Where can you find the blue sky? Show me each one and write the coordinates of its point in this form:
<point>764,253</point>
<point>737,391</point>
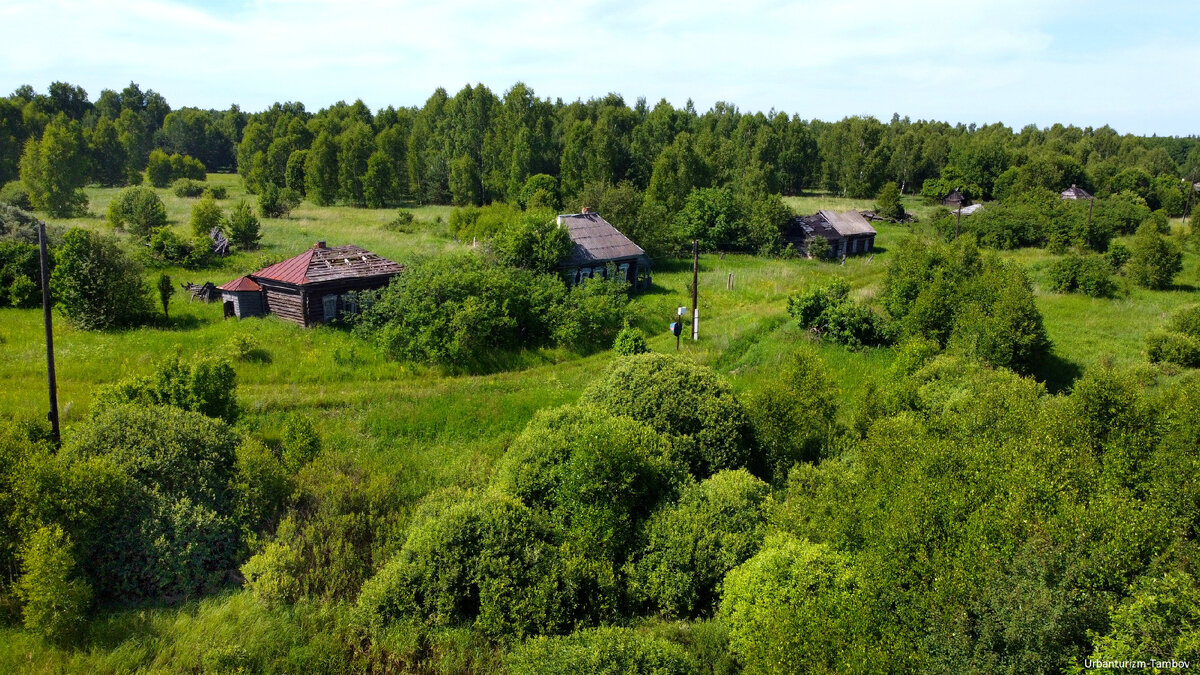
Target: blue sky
<point>1134,65</point>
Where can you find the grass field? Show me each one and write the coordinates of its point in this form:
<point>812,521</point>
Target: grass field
<point>426,428</point>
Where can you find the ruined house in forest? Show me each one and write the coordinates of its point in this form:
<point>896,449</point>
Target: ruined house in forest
<point>314,287</point>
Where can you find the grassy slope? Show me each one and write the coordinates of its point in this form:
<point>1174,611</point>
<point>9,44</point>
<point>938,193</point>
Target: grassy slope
<point>428,429</point>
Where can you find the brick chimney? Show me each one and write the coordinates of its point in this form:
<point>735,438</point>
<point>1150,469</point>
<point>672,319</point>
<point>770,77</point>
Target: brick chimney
<point>585,210</point>
<point>319,244</point>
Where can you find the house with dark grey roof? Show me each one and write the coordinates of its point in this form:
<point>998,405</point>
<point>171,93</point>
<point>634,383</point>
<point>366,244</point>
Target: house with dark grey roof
<point>955,200</point>
<point>1076,192</point>
<point>597,244</point>
<point>316,286</point>
<point>848,233</point>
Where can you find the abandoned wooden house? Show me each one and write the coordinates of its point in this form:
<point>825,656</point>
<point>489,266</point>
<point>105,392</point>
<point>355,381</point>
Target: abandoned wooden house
<point>316,286</point>
<point>1076,192</point>
<point>956,200</point>
<point>848,233</point>
<point>597,244</point>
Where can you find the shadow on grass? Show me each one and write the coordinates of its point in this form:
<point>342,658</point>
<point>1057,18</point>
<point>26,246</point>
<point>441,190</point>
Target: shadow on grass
<point>1057,373</point>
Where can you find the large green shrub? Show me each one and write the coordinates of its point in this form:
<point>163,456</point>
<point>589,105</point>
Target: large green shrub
<point>205,385</point>
<point>20,274</point>
<point>54,598</point>
<point>1154,260</point>
<point>206,216</point>
<point>137,209</point>
<point>1090,275</point>
<point>716,525</point>
<point>630,341</point>
<point>887,202</point>
<point>533,242</point>
<point>600,651</point>
<point>590,313</point>
<point>688,402</point>
<point>488,561</point>
<point>1179,341</point>
<point>244,227</point>
<point>597,476</point>
<point>829,312</point>
<point>794,412</point>
<point>796,607</point>
<point>96,285</point>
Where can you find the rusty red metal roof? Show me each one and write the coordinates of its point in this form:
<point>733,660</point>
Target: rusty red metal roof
<point>328,264</point>
<point>240,284</point>
<point>291,271</point>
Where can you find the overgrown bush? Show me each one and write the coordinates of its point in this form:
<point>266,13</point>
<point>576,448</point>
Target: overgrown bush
<point>590,314</point>
<point>1154,260</point>
<point>1179,342</point>
<point>187,187</point>
<point>163,169</point>
<point>206,217</point>
<point>887,202</point>
<point>691,545</point>
<point>168,247</point>
<point>630,341</point>
<point>597,476</point>
<point>137,209</point>
<point>54,598</point>
<point>96,285</point>
<point>277,202</point>
<point>403,222</point>
<point>205,385</point>
<point>1089,274</point>
<point>14,194</point>
<point>690,403</point>
<point>794,412</point>
<point>20,274</point>
<point>829,312</point>
<point>600,650</point>
<point>533,242</point>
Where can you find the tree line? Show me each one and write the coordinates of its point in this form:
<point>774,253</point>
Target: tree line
<point>476,147</point>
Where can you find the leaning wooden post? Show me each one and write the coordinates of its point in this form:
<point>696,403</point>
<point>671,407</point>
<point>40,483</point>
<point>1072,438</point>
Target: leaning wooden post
<point>50,380</point>
<point>1090,202</point>
<point>695,289</point>
<point>958,223</point>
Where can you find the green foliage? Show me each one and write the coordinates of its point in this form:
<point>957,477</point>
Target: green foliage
<point>828,312</point>
<point>96,285</point>
<point>205,385</point>
<point>687,402</point>
<point>533,242</point>
<point>887,202</point>
<point>540,191</point>
<point>14,194</point>
<point>187,187</point>
<point>1179,342</point>
<point>163,169</point>
<point>216,191</point>
<point>630,341</point>
<point>168,247</point>
<point>139,209</point>
<point>54,169</point>
<point>403,222</point>
<point>716,525</point>
<point>1090,275</point>
<point>982,306</point>
<point>55,600</point>
<point>276,202</point>
<point>206,217</point>
<point>818,248</point>
<point>244,227</point>
<point>590,313</point>
<point>1159,621</point>
<point>20,274</point>
<point>488,561</point>
<point>1153,259</point>
<point>798,607</point>
<point>794,412</point>
<point>1118,254</point>
<point>482,222</point>
<point>166,288</point>
<point>597,476</point>
<point>600,651</point>
<point>300,443</point>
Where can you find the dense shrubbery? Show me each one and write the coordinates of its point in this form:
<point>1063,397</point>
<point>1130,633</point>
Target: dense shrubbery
<point>600,650</point>
<point>96,285</point>
<point>1089,274</point>
<point>204,385</point>
<point>794,413</point>
<point>979,306</point>
<point>460,310</point>
<point>689,403</point>
<point>829,312</point>
<point>14,194</point>
<point>630,341</point>
<point>188,187</point>
<point>20,274</point>
<point>1154,260</point>
<point>532,241</point>
<point>1179,341</point>
<point>163,169</point>
<point>244,227</point>
<point>691,545</point>
<point>167,247</point>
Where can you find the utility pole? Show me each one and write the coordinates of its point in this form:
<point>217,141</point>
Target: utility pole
<point>958,223</point>
<point>695,289</point>
<point>50,381</point>
<point>1090,203</point>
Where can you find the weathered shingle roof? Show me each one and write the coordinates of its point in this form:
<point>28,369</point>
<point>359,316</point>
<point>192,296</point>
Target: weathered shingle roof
<point>1076,192</point>
<point>848,223</point>
<point>329,264</point>
<point>240,284</point>
<point>596,240</point>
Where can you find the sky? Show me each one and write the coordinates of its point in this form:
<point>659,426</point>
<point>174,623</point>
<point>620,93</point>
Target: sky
<point>1132,65</point>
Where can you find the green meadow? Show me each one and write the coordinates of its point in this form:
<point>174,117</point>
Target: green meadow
<point>424,428</point>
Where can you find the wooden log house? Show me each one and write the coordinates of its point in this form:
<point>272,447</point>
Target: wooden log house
<point>314,287</point>
<point>848,233</point>
<point>596,245</point>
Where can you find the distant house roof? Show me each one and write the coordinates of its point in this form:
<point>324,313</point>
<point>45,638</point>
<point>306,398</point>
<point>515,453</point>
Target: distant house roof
<point>968,210</point>
<point>320,263</point>
<point>848,223</point>
<point>814,225</point>
<point>955,198</point>
<point>596,240</point>
<point>1076,192</point>
<point>240,284</point>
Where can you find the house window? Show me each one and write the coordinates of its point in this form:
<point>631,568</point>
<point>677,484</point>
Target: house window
<point>584,273</point>
<point>623,271</point>
<point>350,302</point>
<point>329,307</point>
